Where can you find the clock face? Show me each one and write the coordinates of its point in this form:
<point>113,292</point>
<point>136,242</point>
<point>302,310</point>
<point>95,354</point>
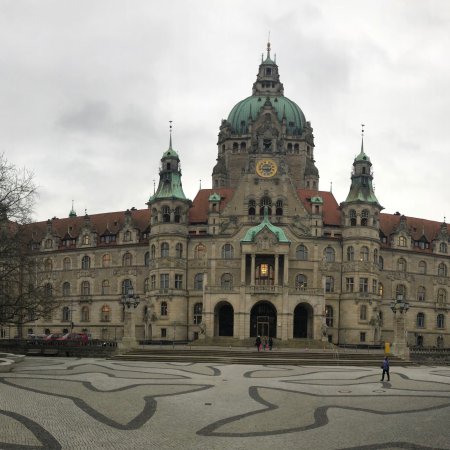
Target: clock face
<point>266,168</point>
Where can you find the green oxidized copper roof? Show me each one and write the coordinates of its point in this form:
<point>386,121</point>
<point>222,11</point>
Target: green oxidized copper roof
<point>362,157</point>
<point>277,231</point>
<point>251,106</point>
<point>169,188</point>
<point>317,200</point>
<point>214,197</point>
<point>171,153</point>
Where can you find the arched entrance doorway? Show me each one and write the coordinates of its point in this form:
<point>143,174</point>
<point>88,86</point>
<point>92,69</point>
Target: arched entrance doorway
<point>223,319</point>
<point>303,321</point>
<point>263,320</point>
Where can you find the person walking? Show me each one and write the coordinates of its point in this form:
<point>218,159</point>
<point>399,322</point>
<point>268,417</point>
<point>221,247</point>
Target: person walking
<point>385,367</point>
<point>258,343</point>
<point>270,343</point>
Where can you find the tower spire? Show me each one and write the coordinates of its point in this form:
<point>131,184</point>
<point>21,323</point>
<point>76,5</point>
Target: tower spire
<point>170,134</point>
<point>362,138</point>
<point>268,46</point>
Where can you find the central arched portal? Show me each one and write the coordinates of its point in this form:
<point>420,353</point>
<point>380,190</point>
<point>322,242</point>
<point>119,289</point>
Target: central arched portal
<point>303,321</point>
<point>223,319</point>
<point>263,320</point>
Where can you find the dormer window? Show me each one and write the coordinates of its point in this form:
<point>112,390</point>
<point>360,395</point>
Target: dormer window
<point>168,166</point>
<point>268,71</point>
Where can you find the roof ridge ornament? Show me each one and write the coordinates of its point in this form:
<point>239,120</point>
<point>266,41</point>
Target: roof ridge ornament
<point>362,137</point>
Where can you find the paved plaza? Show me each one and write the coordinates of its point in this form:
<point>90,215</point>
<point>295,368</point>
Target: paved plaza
<point>53,403</point>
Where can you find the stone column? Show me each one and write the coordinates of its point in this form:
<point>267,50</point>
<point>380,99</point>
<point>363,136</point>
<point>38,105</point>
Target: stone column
<point>252,281</point>
<point>129,332</point>
<point>277,270</point>
<point>243,268</point>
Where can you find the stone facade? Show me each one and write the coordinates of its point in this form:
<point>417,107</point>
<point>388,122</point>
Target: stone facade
<point>262,252</point>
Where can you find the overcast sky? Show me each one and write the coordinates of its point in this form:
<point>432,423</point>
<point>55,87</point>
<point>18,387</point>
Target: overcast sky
<point>87,89</point>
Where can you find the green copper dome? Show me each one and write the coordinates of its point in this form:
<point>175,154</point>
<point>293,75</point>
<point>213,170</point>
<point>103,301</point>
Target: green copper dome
<point>251,106</point>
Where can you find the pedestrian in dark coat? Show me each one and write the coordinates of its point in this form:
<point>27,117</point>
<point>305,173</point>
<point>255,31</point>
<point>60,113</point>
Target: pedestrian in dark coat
<point>258,343</point>
<point>270,343</point>
<point>385,367</point>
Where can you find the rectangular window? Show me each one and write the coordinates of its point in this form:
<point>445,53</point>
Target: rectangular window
<point>363,285</point>
<point>178,281</point>
<point>163,332</point>
<point>362,337</point>
<point>349,283</point>
<point>164,281</point>
<point>153,282</point>
<point>374,286</point>
<point>363,312</point>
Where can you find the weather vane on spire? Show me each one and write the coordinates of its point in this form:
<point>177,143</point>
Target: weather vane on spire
<point>362,137</point>
<point>170,133</point>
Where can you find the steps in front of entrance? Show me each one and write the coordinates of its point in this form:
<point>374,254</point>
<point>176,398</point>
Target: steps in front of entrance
<point>251,357</point>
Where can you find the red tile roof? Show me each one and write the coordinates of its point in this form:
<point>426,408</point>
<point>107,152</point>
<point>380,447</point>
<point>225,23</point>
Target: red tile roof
<point>200,206</point>
<point>331,212</point>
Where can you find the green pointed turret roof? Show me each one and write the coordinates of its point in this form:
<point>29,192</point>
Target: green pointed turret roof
<point>214,197</point>
<point>72,212</point>
<point>277,231</point>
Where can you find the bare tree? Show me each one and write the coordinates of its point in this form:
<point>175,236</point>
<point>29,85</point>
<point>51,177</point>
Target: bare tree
<point>25,294</point>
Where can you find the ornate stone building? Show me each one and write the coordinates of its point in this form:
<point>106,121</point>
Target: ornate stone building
<point>264,251</point>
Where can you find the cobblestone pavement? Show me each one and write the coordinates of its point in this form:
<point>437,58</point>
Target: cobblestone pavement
<point>53,403</point>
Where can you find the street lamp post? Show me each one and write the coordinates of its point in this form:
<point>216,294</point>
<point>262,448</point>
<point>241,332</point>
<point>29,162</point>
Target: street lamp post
<point>129,302</point>
<point>399,347</point>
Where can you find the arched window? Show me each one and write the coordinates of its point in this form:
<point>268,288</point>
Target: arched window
<point>302,253</point>
<point>198,281</point>
<point>48,290</point>
<point>105,313</point>
<point>441,296</point>
<point>381,263</point>
<point>85,314</point>
<point>48,265</point>
<point>65,314</point>
<point>66,288</point>
<point>163,308</point>
<point>443,247</point>
<point>364,254</point>
<point>127,260</point>
<point>329,315</point>
<point>179,250</point>
<point>279,208</point>
<point>153,251</point>
<point>401,241</point>
<point>106,260</point>
<point>198,311</point>
<point>442,270</point>
<point>243,146</point>
<point>226,281</point>
<point>126,286</point>
<point>154,215</point>
<point>421,294</point>
<point>146,285</point>
<point>364,217</point>
<point>420,320</point>
<point>265,201</point>
<point>86,239</point>
<point>147,259</point>
<point>352,218</point>
<point>48,243</point>
<point>200,251</point>
<point>127,236</point>
<point>67,263</point>
<point>440,321</point>
<point>401,265</point>
<point>85,262</point>
<point>350,253</point>
<point>329,254</point>
<point>301,282</point>
<point>400,292</point>
<point>177,214</point>
<point>165,250</point>
<point>380,289</point>
<point>363,312</point>
<point>251,207</point>
<point>165,212</point>
<point>85,288</point>
<point>422,267</point>
<point>105,287</point>
<point>329,284</point>
<point>227,251</point>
